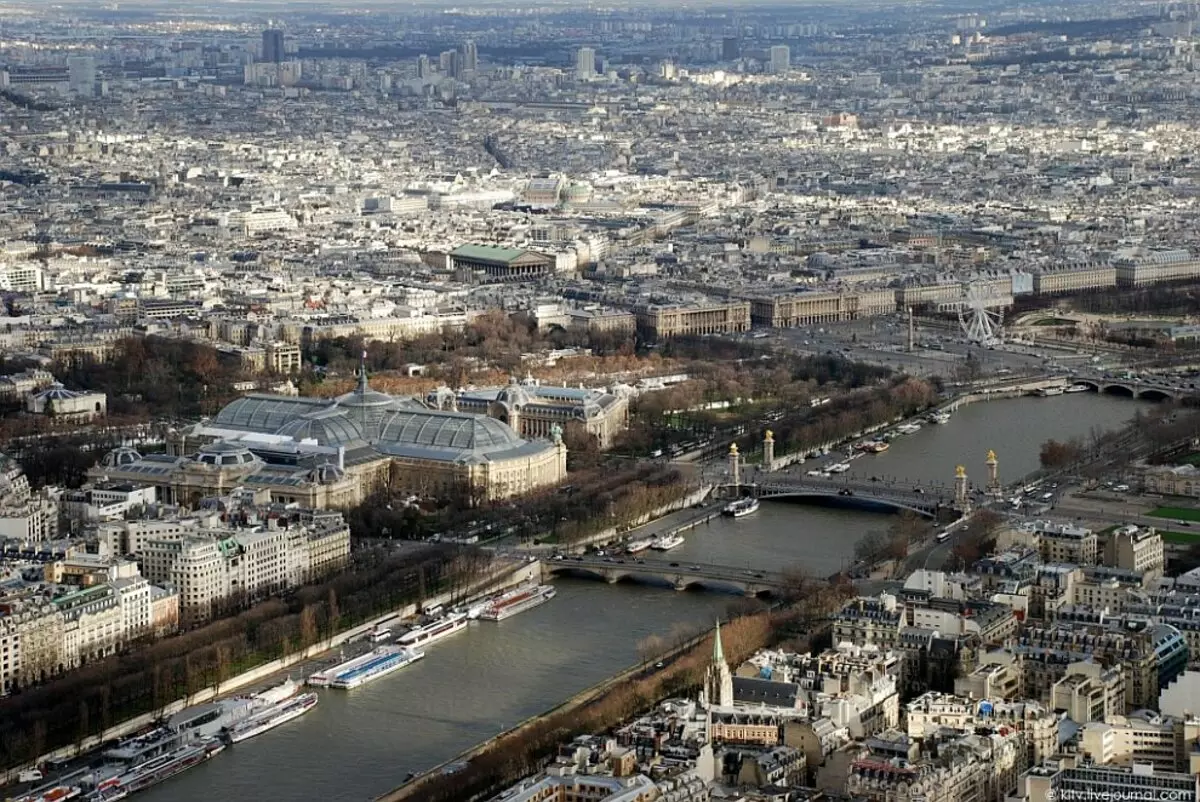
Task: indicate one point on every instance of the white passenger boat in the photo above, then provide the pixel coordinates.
(518, 601)
(741, 508)
(667, 543)
(366, 668)
(639, 545)
(1077, 388)
(271, 716)
(435, 630)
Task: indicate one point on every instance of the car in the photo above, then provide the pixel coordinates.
(674, 565)
(693, 568)
(758, 576)
(1184, 523)
(1120, 488)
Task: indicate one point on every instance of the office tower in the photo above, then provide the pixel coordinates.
(470, 57)
(422, 66)
(731, 48)
(81, 75)
(781, 59)
(449, 63)
(272, 46)
(585, 64)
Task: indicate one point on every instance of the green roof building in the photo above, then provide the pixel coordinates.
(489, 263)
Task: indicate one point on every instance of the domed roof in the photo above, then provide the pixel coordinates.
(56, 392)
(364, 398)
(448, 430)
(329, 427)
(326, 474)
(223, 454)
(123, 455)
(514, 395)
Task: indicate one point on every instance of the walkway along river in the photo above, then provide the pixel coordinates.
(360, 744)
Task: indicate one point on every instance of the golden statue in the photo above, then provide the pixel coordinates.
(770, 438)
(991, 456)
(960, 472)
(733, 449)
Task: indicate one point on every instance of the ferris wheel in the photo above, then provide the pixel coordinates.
(982, 321)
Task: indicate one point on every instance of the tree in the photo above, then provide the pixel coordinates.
(1056, 454)
(871, 546)
(583, 448)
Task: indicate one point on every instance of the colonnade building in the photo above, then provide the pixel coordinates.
(534, 410)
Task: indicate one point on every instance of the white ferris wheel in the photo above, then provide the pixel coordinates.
(981, 318)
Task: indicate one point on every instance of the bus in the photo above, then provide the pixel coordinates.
(944, 536)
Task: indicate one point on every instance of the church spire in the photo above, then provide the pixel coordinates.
(718, 681)
(718, 652)
(362, 374)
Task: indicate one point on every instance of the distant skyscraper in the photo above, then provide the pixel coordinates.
(422, 66)
(272, 45)
(81, 75)
(731, 48)
(470, 56)
(781, 59)
(450, 63)
(585, 64)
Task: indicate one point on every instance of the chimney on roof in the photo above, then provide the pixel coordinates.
(341, 458)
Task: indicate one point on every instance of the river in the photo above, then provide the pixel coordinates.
(359, 744)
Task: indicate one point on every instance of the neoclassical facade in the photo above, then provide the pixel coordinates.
(322, 453)
(535, 410)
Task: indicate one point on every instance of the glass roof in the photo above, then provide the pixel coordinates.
(448, 430)
(265, 413)
(333, 427)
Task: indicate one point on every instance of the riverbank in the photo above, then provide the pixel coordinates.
(499, 578)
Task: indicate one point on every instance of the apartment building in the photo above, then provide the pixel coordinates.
(1150, 655)
(1067, 778)
(1142, 738)
(984, 766)
(869, 622)
(1090, 692)
(93, 623)
(661, 322)
(1064, 543)
(210, 567)
(933, 711)
(31, 642)
(1135, 548)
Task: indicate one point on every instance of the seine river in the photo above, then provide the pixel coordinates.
(359, 744)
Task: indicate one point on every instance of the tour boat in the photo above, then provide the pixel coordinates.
(639, 545)
(1077, 388)
(1047, 392)
(270, 717)
(518, 602)
(667, 542)
(434, 631)
(742, 507)
(367, 668)
(908, 428)
(939, 417)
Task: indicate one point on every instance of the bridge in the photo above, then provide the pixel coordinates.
(1153, 390)
(928, 500)
(678, 574)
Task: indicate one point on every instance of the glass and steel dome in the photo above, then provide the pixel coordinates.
(124, 455)
(326, 474)
(447, 430)
(225, 455)
(329, 427)
(265, 413)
